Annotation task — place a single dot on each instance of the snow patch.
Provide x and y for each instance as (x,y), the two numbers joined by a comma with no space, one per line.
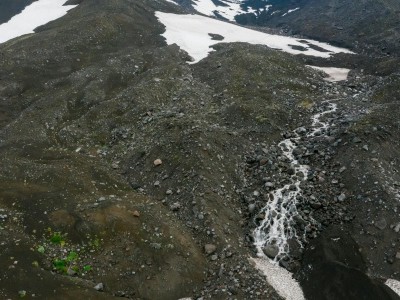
(334,74)
(33,16)
(173,2)
(394,285)
(191,33)
(280,279)
(228,8)
(290,11)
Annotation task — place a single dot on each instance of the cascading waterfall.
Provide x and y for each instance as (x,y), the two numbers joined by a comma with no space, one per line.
(277,227)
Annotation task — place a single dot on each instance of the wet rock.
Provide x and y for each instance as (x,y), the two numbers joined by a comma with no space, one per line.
(316,205)
(291,171)
(271,251)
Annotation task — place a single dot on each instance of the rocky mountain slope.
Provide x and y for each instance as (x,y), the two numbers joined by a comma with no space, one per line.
(128,172)
(370,23)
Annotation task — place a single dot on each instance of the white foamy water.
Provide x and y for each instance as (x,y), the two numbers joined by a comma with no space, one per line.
(192,34)
(277,227)
(38,13)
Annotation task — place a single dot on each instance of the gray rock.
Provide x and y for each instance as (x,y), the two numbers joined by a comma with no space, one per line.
(269,184)
(397,227)
(175,206)
(316,205)
(381,224)
(271,251)
(210,248)
(99,287)
(301,130)
(341,197)
(251,207)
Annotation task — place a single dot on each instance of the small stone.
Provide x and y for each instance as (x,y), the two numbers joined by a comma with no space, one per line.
(169,192)
(398,255)
(341,197)
(210,248)
(291,171)
(316,205)
(157,162)
(99,287)
(71,272)
(214,257)
(252,208)
(381,224)
(365,147)
(256,193)
(175,206)
(269,184)
(136,214)
(356,140)
(301,130)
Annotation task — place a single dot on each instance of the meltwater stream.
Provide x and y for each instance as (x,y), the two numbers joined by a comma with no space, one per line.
(280,213)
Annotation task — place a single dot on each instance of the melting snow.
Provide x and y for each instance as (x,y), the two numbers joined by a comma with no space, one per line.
(280,279)
(334,74)
(290,11)
(394,285)
(191,33)
(34,15)
(229,8)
